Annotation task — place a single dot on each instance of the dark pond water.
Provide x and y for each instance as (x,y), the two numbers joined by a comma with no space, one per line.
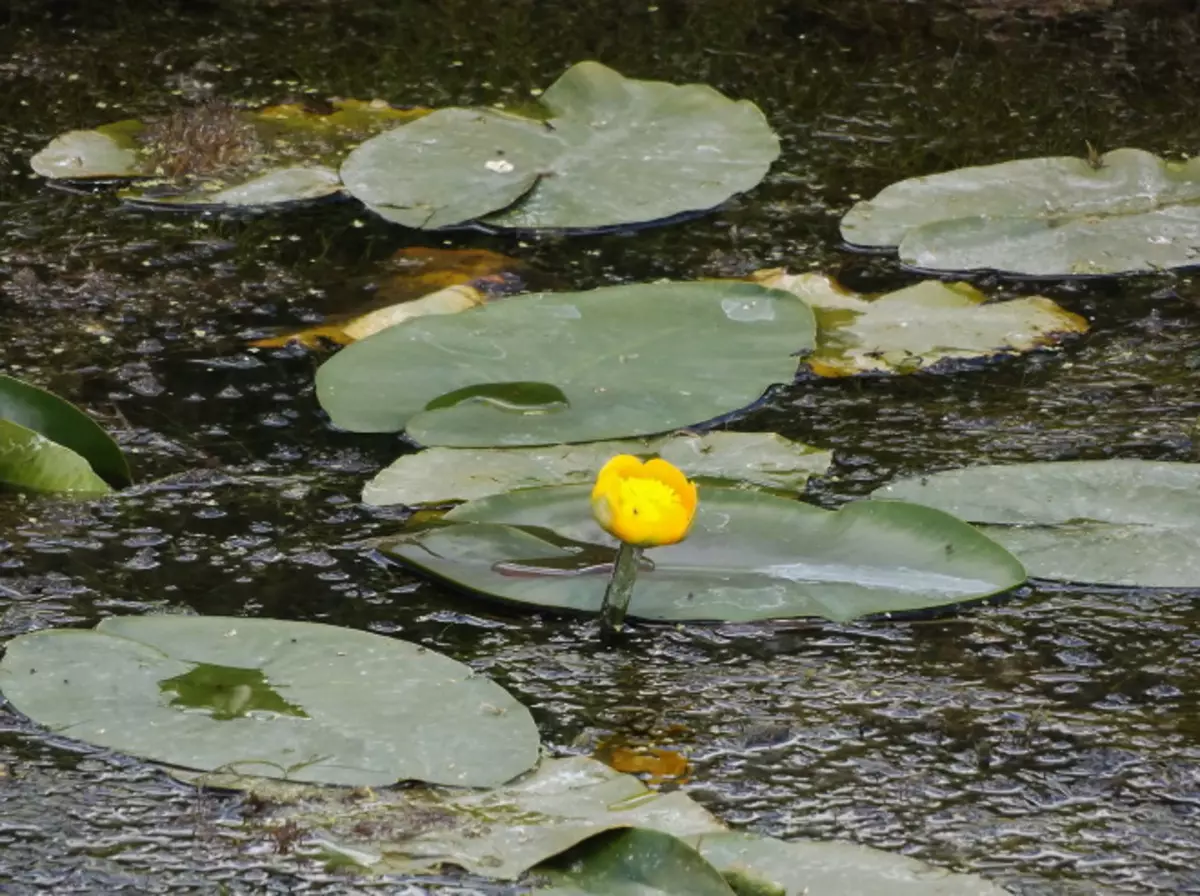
(1051,742)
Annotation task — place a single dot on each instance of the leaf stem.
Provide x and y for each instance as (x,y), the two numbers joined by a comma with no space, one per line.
(620,588)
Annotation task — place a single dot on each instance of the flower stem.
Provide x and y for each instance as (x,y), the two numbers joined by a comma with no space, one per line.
(620,588)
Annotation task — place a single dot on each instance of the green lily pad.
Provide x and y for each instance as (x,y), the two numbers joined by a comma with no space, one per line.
(749,555)
(1112,522)
(637,862)
(561,811)
(610,151)
(218,155)
(279,186)
(439,475)
(920,326)
(110,152)
(814,866)
(31,462)
(548,368)
(499,833)
(49,445)
(1126,211)
(292,700)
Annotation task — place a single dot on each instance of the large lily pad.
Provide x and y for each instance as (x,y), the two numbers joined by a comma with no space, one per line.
(500,833)
(1115,522)
(218,155)
(749,555)
(1127,210)
(546,368)
(265,697)
(609,151)
(438,475)
(920,326)
(47,444)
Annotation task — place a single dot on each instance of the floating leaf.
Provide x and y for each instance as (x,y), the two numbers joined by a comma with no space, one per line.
(1113,522)
(563,807)
(749,555)
(546,368)
(292,700)
(30,461)
(439,475)
(610,151)
(1126,211)
(814,866)
(920,326)
(636,862)
(450,300)
(110,152)
(216,154)
(297,184)
(50,445)
(653,764)
(500,833)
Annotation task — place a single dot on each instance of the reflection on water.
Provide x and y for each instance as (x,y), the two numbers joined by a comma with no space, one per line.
(1051,741)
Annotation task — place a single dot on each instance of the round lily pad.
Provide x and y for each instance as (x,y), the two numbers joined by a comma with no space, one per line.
(610,151)
(548,368)
(749,555)
(292,700)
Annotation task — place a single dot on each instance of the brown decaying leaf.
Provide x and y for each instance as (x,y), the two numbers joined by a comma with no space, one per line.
(420,280)
(419,270)
(655,765)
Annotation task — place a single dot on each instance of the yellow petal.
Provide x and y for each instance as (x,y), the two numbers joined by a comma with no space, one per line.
(645,505)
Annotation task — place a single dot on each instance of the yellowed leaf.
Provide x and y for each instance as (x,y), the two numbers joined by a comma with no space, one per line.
(445,301)
(919,326)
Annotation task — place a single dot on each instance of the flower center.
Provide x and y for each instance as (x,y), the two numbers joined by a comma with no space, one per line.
(648,499)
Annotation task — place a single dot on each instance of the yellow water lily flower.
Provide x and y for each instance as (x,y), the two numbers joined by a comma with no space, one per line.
(643,504)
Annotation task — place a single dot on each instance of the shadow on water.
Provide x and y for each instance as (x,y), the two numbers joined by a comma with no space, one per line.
(1050,742)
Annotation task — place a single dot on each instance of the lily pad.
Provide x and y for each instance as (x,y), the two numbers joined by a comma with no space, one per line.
(439,475)
(548,368)
(609,151)
(292,700)
(1127,210)
(1112,522)
(637,862)
(814,866)
(110,152)
(749,555)
(500,833)
(920,326)
(218,155)
(49,445)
